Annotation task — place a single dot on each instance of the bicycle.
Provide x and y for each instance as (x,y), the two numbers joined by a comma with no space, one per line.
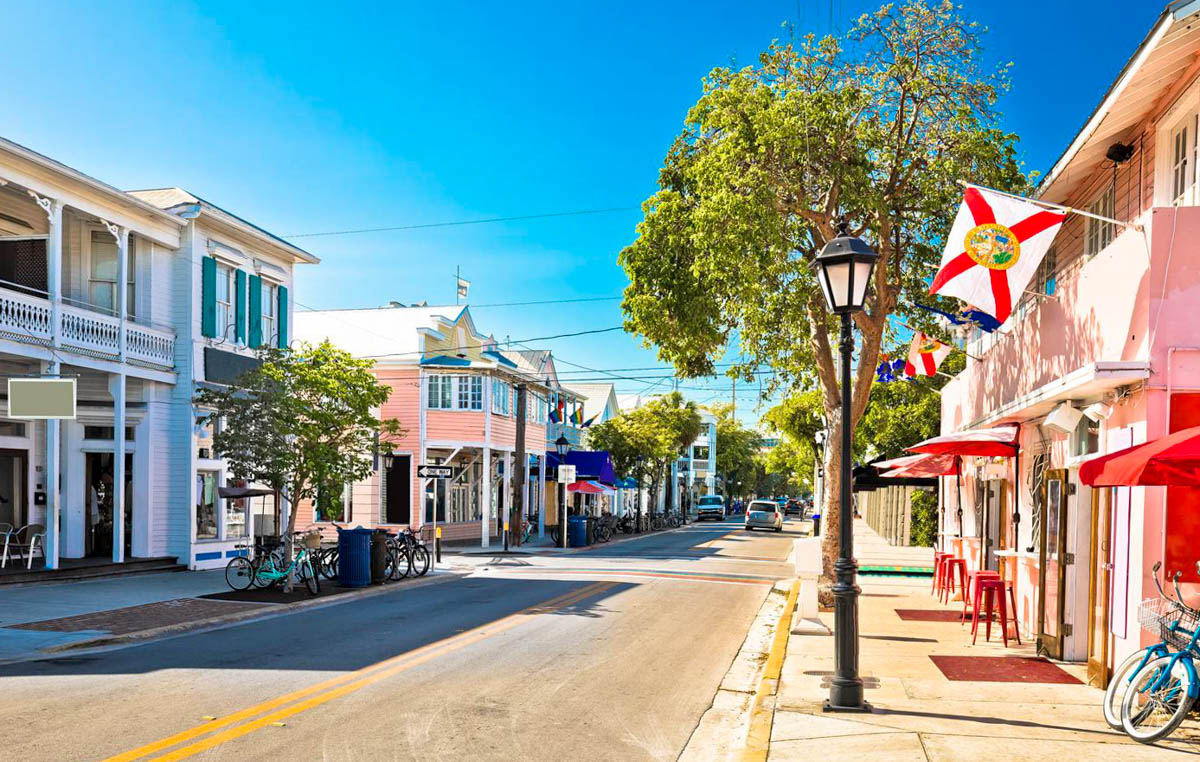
(241,572)
(1114,694)
(605,527)
(657,522)
(1162,690)
(530,527)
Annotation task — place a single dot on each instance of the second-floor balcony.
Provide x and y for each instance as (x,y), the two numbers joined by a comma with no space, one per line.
(28,319)
(1113,319)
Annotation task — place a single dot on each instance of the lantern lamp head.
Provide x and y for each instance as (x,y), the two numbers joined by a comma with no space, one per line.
(844,270)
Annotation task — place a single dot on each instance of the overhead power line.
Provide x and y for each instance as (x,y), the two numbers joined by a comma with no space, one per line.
(498,343)
(458,223)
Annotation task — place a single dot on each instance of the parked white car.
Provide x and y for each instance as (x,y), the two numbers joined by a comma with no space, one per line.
(764,514)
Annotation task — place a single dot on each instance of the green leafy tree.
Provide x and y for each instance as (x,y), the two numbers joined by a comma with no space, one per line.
(875,131)
(736,447)
(302,420)
(923,527)
(678,422)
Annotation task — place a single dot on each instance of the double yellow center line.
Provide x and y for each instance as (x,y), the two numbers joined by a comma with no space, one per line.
(273,710)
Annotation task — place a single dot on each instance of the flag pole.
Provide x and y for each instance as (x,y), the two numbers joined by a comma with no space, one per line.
(1049,205)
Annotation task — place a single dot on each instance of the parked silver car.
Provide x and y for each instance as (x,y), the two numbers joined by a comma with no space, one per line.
(764,514)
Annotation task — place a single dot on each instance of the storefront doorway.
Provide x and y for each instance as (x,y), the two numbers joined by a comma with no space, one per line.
(1052,597)
(98,504)
(12,487)
(1098,590)
(993,522)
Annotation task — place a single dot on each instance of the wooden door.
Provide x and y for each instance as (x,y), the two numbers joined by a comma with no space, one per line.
(1099,569)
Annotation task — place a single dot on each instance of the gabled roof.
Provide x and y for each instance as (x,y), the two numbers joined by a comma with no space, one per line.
(534,362)
(177,199)
(383,332)
(595,397)
(1144,89)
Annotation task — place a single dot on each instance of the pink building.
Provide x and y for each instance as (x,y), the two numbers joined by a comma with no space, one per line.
(1102,353)
(456,395)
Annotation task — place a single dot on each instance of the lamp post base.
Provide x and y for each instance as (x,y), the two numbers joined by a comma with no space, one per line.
(861,708)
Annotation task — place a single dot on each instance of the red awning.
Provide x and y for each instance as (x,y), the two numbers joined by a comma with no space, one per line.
(927,466)
(901,462)
(585,488)
(1171,461)
(1001,440)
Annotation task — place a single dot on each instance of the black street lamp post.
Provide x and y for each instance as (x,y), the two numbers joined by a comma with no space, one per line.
(563,447)
(845,266)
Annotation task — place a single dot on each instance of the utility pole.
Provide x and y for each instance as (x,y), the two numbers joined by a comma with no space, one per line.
(518,498)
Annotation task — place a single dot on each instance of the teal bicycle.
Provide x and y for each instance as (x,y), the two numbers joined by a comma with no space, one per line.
(266,569)
(1159,685)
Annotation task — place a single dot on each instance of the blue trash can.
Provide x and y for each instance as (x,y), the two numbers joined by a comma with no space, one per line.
(354,557)
(577,531)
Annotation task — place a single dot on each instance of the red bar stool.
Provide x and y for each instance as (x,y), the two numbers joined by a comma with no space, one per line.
(993,590)
(972,604)
(938,556)
(950,566)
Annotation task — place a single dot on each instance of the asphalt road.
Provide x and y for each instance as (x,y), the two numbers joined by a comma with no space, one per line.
(613,653)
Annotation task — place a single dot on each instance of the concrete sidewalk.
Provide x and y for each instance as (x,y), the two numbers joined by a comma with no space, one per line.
(919,713)
(36,603)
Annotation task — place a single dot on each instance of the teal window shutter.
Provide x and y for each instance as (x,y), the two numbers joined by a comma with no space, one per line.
(239,314)
(283,317)
(208,297)
(255,311)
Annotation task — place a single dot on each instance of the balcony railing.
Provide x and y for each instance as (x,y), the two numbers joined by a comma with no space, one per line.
(27,319)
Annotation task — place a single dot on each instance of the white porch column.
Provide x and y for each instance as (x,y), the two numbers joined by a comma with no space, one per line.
(53,210)
(486,509)
(542,495)
(116,387)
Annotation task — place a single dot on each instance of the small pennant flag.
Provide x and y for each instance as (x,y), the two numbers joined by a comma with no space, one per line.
(464,285)
(577,415)
(591,420)
(993,250)
(925,355)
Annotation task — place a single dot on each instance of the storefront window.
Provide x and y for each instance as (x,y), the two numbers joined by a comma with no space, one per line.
(206,505)
(334,503)
(235,518)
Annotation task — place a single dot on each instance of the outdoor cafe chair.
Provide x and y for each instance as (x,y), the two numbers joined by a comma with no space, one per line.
(24,542)
(6,531)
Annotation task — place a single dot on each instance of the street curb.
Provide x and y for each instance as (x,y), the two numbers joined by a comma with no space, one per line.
(762,710)
(723,729)
(267,611)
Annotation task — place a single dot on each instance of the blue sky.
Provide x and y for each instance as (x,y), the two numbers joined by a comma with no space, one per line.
(305,121)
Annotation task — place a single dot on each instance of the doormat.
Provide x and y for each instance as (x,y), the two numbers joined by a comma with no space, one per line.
(1002,669)
(933,615)
(137,618)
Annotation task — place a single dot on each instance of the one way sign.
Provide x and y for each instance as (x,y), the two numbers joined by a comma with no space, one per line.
(435,472)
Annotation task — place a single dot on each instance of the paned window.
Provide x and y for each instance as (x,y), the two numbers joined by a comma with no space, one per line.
(501,397)
(225,296)
(270,311)
(470,392)
(1100,233)
(440,395)
(1180,152)
(103,271)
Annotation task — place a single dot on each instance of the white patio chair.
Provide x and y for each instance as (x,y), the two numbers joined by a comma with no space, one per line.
(25,541)
(6,531)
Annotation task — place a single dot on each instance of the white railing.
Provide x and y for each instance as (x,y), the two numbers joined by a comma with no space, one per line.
(25,318)
(28,319)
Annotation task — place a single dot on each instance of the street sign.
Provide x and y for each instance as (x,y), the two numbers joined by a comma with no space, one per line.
(435,472)
(566,474)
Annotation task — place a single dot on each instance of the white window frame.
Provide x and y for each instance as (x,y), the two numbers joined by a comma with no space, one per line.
(468,393)
(439,390)
(227,310)
(131,261)
(501,397)
(1100,234)
(270,312)
(1181,174)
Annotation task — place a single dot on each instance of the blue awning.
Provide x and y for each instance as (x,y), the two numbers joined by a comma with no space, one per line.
(589,464)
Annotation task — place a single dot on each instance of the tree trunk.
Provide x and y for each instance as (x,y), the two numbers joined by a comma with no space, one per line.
(831,510)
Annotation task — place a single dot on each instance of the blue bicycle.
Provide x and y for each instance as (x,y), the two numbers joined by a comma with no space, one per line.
(1158,685)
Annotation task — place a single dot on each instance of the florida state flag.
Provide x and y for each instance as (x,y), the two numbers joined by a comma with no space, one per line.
(925,355)
(993,250)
